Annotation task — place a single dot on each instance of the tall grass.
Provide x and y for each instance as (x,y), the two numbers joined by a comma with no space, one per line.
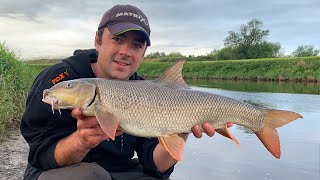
(15,81)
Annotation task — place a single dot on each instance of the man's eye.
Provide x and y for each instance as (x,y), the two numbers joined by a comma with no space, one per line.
(117,39)
(138,45)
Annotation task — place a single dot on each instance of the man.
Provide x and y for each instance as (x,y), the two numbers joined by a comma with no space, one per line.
(75,147)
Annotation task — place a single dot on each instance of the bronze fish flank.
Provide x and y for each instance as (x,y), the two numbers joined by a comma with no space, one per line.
(164,108)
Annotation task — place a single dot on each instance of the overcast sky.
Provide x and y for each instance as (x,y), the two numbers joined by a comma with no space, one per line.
(48,28)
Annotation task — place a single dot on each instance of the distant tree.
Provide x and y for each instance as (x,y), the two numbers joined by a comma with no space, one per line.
(227,53)
(305,50)
(155,55)
(175,54)
(251,42)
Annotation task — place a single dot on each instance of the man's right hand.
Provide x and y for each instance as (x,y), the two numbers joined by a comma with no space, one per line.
(89,131)
(73,148)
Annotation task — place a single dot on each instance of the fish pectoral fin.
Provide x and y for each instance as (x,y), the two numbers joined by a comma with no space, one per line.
(108,122)
(226,133)
(174,144)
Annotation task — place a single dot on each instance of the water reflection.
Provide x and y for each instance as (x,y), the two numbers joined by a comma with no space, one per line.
(220,158)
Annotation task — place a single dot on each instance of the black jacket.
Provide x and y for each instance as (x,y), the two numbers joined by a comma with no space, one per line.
(42,129)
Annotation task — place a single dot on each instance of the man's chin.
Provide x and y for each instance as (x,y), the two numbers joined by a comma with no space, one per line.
(121,76)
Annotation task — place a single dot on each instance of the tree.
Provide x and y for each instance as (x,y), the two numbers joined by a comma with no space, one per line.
(251,41)
(155,55)
(305,50)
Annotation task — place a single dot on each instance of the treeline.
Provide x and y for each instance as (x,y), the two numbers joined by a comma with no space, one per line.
(249,43)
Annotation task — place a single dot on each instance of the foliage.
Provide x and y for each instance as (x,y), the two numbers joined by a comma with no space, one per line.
(271,69)
(15,81)
(305,50)
(155,55)
(250,43)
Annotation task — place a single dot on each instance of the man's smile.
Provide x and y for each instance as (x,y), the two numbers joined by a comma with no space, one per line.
(122,63)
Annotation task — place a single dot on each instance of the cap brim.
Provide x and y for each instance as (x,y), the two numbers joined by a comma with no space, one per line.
(120,28)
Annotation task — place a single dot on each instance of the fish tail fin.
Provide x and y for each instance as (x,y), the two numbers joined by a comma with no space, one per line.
(268,135)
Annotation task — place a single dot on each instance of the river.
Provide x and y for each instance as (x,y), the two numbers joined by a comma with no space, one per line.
(219,158)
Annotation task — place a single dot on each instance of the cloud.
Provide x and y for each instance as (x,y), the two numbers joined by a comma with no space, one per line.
(55,28)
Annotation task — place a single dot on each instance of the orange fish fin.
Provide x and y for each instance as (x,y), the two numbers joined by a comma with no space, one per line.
(226,133)
(108,122)
(173,76)
(174,144)
(268,135)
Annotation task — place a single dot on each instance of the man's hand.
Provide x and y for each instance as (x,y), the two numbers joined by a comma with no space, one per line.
(89,131)
(207,128)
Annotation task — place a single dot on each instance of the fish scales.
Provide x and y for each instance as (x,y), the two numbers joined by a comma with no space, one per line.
(148,108)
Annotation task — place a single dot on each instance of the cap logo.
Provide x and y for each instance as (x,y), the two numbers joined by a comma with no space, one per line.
(138,16)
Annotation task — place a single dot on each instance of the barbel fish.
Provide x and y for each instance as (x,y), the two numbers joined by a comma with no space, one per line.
(164,108)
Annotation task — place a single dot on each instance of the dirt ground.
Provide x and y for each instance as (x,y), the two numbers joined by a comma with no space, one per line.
(13,157)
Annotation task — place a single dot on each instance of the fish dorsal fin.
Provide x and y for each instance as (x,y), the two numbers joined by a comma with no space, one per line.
(173,76)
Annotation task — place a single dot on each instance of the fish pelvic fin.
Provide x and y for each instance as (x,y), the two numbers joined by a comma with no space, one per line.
(226,133)
(107,121)
(173,76)
(174,144)
(268,135)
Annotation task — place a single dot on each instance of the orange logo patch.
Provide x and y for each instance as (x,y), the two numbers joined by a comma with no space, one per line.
(59,77)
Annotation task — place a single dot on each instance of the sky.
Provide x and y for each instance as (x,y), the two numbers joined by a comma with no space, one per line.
(37,29)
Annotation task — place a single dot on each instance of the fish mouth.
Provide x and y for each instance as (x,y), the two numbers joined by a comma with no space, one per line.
(51,100)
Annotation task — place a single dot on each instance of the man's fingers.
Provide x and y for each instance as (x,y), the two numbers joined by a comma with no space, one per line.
(196,131)
(76,113)
(229,124)
(208,129)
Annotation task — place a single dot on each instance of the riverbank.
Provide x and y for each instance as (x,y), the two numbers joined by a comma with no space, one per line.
(298,69)
(13,152)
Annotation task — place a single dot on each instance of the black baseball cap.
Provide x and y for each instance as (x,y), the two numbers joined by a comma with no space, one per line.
(123,18)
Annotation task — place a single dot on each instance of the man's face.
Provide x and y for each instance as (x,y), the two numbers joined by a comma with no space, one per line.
(119,55)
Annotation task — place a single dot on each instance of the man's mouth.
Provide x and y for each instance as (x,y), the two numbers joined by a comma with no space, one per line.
(122,63)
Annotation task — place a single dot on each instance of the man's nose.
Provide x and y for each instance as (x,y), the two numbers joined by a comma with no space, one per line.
(125,50)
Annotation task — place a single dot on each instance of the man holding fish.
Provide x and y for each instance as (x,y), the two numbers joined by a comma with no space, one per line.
(64,148)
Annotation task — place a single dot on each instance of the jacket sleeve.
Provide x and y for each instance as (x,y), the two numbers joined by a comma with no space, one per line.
(40,127)
(144,149)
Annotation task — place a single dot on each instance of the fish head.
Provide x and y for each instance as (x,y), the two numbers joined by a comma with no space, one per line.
(70,94)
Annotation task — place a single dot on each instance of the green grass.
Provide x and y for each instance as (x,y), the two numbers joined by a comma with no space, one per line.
(16,78)
(281,69)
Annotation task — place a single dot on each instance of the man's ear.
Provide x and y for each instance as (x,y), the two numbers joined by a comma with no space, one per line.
(145,51)
(96,41)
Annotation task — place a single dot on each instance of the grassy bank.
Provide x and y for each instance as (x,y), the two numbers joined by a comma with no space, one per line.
(281,69)
(15,81)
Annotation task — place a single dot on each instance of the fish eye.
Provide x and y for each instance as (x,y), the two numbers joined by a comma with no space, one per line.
(69,85)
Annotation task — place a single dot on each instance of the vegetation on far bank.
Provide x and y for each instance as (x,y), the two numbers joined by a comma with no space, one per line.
(273,69)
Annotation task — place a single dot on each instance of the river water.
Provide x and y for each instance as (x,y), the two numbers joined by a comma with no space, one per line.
(219,158)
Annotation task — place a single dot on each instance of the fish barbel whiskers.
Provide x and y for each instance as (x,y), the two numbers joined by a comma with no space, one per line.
(166,107)
(52,101)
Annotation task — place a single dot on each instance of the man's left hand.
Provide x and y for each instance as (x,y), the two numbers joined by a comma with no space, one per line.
(207,128)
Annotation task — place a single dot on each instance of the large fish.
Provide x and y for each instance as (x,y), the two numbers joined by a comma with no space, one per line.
(164,108)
